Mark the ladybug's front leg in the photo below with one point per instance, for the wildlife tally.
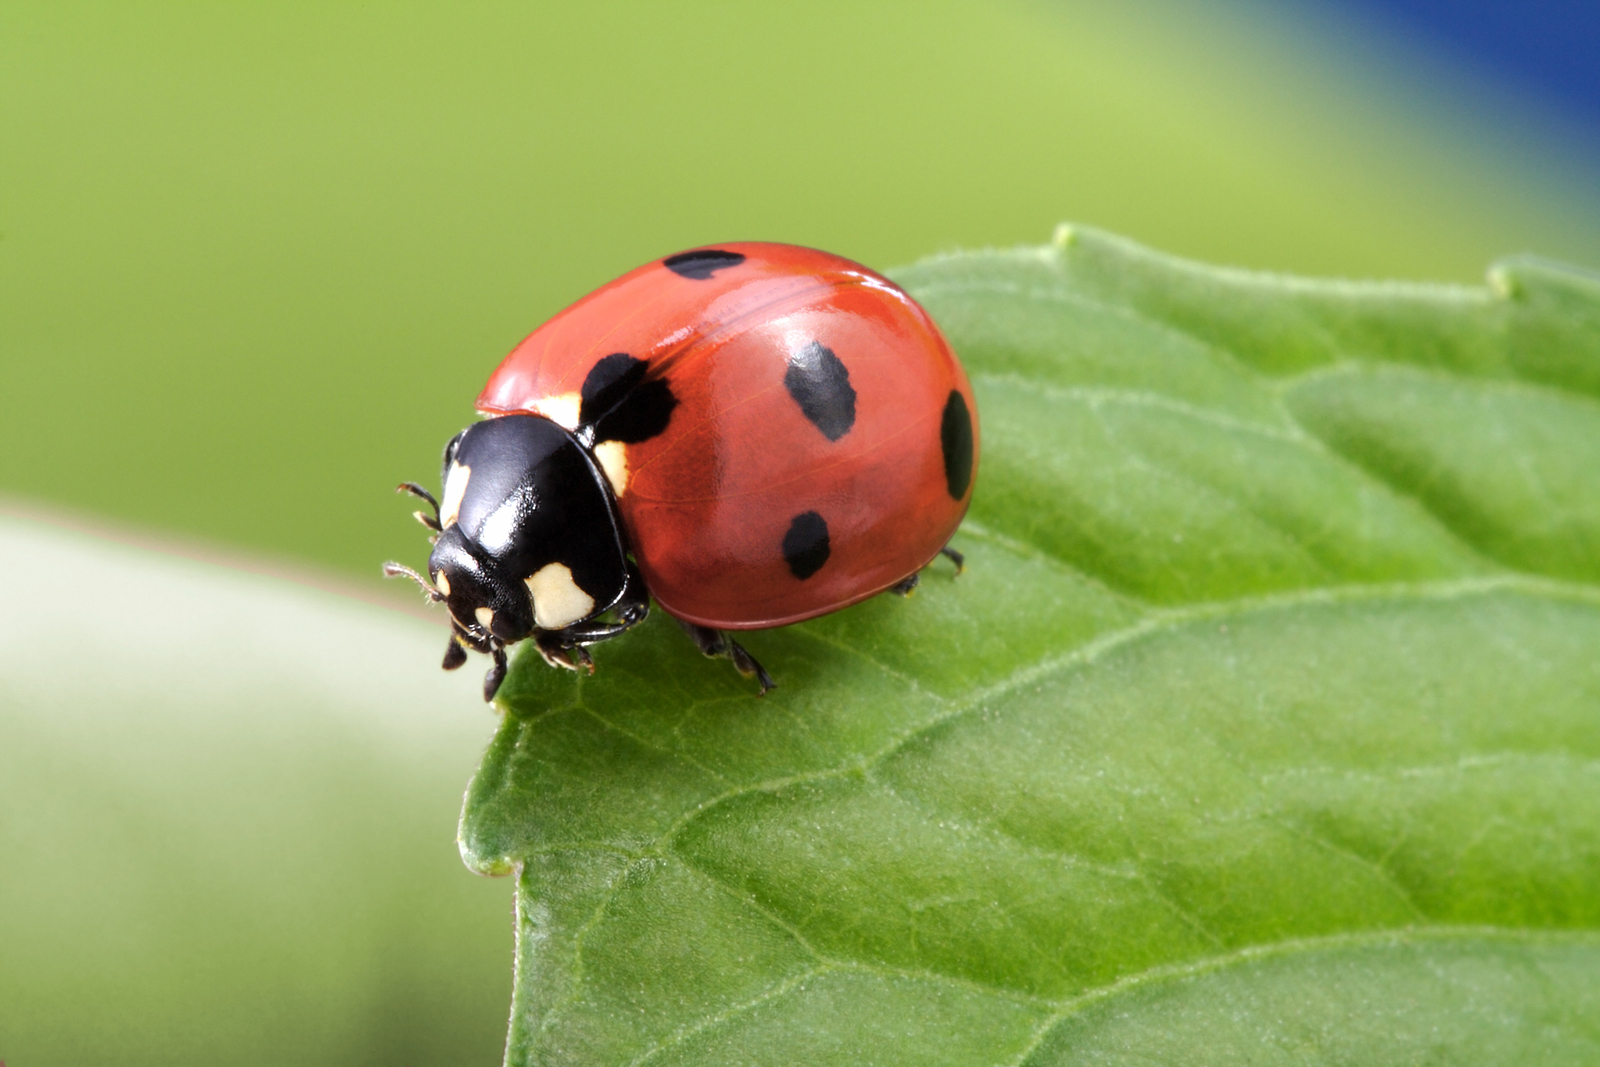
(716, 644)
(565, 648)
(560, 649)
(497, 673)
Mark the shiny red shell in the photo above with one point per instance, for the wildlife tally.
(707, 503)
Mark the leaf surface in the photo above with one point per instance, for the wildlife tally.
(1264, 725)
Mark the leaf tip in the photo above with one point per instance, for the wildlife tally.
(1524, 276)
(1065, 235)
(493, 864)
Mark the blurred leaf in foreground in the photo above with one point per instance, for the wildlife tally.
(1264, 726)
(225, 820)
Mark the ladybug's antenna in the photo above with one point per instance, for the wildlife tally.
(431, 522)
(395, 570)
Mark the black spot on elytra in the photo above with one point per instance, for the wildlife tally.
(608, 382)
(820, 383)
(702, 263)
(805, 546)
(622, 404)
(955, 439)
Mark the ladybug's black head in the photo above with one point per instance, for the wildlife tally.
(485, 604)
(528, 541)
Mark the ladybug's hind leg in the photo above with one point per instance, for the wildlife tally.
(716, 644)
(906, 585)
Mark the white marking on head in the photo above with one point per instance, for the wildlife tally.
(561, 410)
(557, 600)
(485, 617)
(455, 487)
(613, 457)
(442, 581)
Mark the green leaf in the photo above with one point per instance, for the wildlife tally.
(1263, 727)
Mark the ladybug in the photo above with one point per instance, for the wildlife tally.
(752, 435)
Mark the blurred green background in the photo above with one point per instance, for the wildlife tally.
(256, 261)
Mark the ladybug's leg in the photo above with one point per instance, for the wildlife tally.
(747, 665)
(496, 675)
(564, 648)
(560, 649)
(905, 585)
(431, 522)
(715, 643)
(631, 609)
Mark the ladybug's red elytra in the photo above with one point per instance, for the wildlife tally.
(752, 434)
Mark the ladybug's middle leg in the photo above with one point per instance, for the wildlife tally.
(716, 644)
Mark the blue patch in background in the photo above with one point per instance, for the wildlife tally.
(1550, 48)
